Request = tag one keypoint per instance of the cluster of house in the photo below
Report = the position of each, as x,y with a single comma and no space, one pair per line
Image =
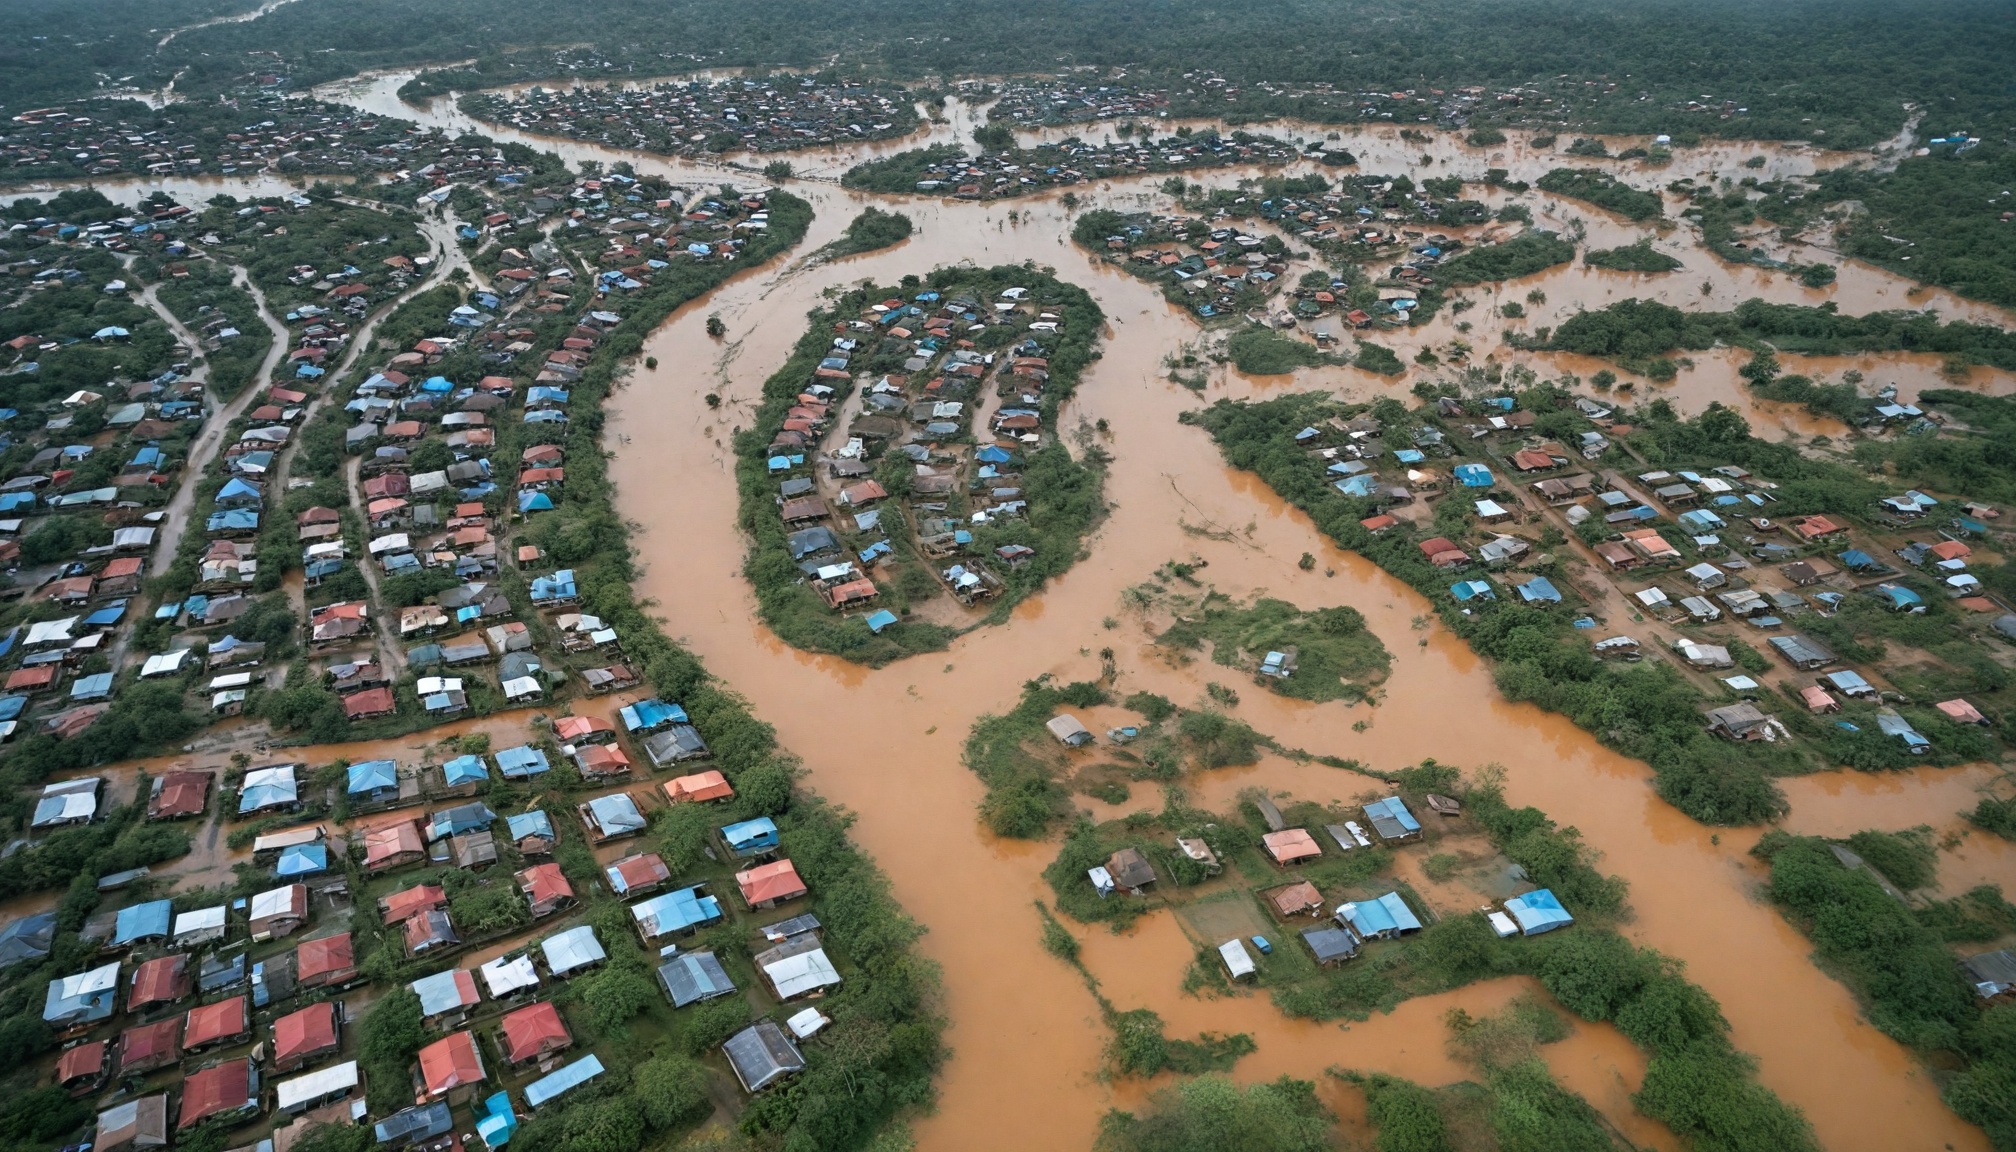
1086,95
1342,932
1018,171
185,994
1072,100
639,238
243,131
688,118
830,502
1220,271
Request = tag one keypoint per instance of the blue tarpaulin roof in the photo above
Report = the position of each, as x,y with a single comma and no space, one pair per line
372,775
881,619
675,911
1388,915
1474,476
572,1076
1538,912
1472,590
301,860
521,761
1540,590
529,824
534,502
558,586
464,770
495,1122
645,715
142,922
750,835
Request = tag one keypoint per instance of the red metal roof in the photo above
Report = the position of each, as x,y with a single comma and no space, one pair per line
450,1063
770,882
304,1033
319,959
223,1088
534,1031
213,1022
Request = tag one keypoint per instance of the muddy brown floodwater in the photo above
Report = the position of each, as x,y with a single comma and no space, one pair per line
886,743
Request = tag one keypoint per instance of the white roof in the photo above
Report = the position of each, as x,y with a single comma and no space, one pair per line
231,680
274,902
429,685
397,542
805,972
165,664
806,1023
86,983
330,1081
284,774
1237,962
274,841
507,976
577,948
201,920
82,784
50,631
1651,596
1503,925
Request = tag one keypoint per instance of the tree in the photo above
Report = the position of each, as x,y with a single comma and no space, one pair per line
615,995
672,1090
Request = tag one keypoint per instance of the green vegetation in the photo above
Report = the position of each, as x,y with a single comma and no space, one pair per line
1261,351
1531,251
1634,330
1645,710
1337,657
1484,137
1023,796
1936,218
1604,191
1906,858
873,229
1898,965
1377,358
899,172
1996,815
1064,492
1639,257
1212,1114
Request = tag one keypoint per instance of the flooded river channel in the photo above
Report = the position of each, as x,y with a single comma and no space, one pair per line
1025,1034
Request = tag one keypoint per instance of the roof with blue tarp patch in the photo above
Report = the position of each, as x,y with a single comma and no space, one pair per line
676,911
142,922
529,824
1538,911
1474,476
646,715
373,776
464,770
1539,590
302,860
104,617
569,1077
751,835
880,619
1388,915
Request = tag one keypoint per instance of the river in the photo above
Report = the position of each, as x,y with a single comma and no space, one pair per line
886,743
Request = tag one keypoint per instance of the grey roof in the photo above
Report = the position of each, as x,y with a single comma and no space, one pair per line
414,1124
762,1054
28,938
1330,943
691,977
1992,968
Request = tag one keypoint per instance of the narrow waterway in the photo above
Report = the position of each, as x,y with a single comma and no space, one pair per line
887,743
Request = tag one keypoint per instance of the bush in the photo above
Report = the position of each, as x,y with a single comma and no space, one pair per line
1212,1114
1259,351
672,1091
709,1025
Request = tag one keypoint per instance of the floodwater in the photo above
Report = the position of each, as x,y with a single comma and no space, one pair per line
886,743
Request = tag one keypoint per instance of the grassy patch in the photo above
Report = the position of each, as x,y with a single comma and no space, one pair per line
1337,657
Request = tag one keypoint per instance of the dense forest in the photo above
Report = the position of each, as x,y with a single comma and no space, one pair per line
1834,72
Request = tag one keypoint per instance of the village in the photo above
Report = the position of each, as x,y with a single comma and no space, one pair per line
946,170
699,117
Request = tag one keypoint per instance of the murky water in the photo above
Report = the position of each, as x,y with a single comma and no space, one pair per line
886,743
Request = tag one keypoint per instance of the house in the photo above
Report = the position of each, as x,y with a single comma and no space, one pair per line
1238,962
451,1064
674,913
299,1038
373,781
177,795
636,875
224,1022
1297,899
67,802
546,889
473,851
1993,974
761,1055
1330,945
533,1033
1200,852
699,787
266,789
1962,712
140,923
611,817
601,761
532,832
1891,723
1743,722
768,885
1443,553
1291,846
279,911
1706,576
325,962
414,1127
1379,919
1068,730
146,1047
445,997
1812,528
407,903
798,967
162,980
691,977
1392,821
522,762
1129,871
394,845
321,1086
428,930
1802,652
674,744
572,951
135,1124
1703,655
747,839
1537,912
567,1078
82,1069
